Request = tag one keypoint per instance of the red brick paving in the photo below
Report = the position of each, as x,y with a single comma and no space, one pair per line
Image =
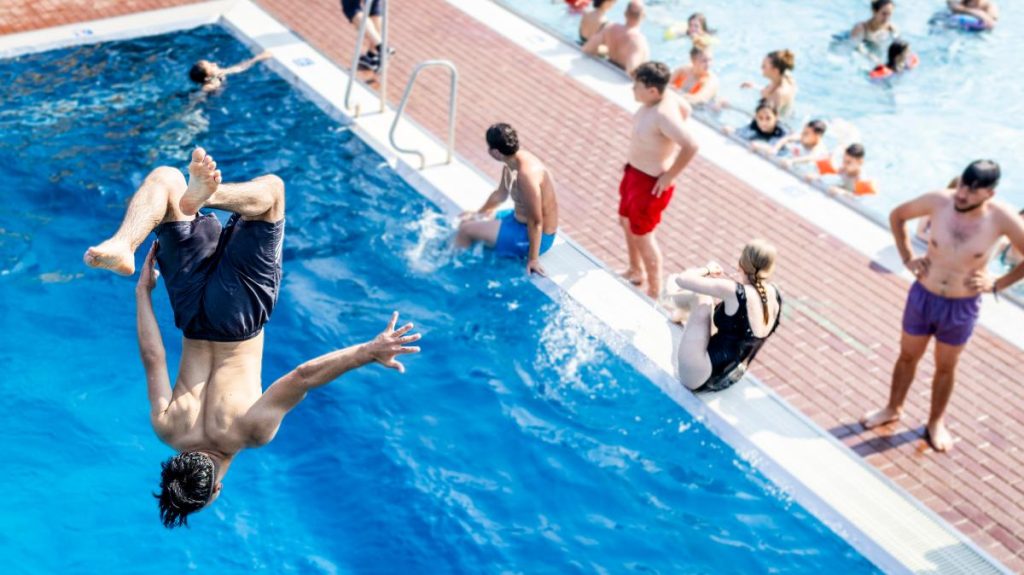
833,357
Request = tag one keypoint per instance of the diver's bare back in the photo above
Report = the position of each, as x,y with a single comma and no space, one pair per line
217,384
960,246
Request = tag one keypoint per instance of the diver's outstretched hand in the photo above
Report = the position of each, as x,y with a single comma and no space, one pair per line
391,343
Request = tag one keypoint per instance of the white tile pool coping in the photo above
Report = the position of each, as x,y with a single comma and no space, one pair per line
879,519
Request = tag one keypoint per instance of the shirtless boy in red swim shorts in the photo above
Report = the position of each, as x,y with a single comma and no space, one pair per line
661,147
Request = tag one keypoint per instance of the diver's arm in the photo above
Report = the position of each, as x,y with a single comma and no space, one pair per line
151,345
498,196
264,418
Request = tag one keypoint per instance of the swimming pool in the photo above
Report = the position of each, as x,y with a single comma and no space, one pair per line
960,104
517,441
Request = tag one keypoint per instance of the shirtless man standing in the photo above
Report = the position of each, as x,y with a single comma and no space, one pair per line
627,47
223,285
659,150
967,225
529,228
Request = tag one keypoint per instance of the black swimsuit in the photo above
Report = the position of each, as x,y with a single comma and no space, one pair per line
734,342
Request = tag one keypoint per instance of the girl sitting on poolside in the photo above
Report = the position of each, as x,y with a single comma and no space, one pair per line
746,314
764,130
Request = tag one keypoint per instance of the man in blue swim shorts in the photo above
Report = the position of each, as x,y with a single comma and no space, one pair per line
529,228
967,226
223,283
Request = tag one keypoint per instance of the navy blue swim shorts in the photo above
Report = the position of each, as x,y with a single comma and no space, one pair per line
223,282
353,7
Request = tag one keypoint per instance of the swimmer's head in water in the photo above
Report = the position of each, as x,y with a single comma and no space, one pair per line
701,58
899,50
779,62
649,81
766,117
634,10
502,141
697,25
883,9
202,72
977,185
812,133
188,482
853,160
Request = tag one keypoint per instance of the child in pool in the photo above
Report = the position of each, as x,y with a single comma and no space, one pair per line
765,128
806,147
848,178
900,59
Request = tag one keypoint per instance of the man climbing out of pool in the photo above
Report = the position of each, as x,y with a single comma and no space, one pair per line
223,285
210,76
966,228
529,228
660,149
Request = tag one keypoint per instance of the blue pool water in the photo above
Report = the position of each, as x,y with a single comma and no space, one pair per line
962,103
516,442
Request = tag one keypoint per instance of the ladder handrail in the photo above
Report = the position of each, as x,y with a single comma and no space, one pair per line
453,94
382,72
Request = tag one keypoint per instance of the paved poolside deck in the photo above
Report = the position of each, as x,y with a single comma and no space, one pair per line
832,357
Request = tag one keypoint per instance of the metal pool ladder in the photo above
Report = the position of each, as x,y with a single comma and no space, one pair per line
453,93
382,72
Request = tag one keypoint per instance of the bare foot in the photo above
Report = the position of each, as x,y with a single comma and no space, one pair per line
880,417
938,437
634,276
203,179
114,255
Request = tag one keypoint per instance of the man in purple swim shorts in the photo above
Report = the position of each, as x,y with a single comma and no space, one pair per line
966,228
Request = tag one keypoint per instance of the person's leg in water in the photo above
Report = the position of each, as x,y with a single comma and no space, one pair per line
693,361
650,257
946,358
635,272
473,231
912,348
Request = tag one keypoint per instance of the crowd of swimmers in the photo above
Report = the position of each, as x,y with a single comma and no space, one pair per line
223,281
877,38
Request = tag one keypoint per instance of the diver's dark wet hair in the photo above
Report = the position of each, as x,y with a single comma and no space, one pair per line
818,126
653,75
186,486
198,74
503,138
856,151
981,174
599,3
